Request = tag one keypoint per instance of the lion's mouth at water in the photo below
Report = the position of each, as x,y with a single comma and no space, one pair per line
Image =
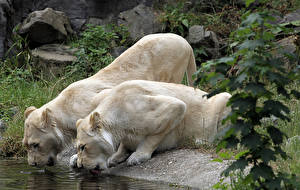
96,171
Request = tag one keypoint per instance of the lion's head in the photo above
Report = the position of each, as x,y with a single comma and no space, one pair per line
92,148
42,138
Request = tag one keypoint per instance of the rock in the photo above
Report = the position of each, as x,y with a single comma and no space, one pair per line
199,37
288,19
196,34
77,11
4,13
52,58
293,16
183,167
117,51
46,26
141,21
289,44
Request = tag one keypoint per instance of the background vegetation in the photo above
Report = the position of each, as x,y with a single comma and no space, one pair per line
244,68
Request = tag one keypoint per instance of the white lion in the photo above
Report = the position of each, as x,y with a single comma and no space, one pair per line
157,57
144,116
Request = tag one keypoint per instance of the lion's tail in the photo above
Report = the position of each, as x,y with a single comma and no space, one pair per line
191,69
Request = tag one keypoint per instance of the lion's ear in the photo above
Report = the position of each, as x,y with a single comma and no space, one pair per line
28,111
94,120
47,117
78,122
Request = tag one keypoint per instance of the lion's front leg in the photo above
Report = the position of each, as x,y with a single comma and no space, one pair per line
166,116
118,157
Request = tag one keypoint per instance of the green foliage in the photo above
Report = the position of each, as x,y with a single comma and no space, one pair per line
94,48
18,67
259,73
176,20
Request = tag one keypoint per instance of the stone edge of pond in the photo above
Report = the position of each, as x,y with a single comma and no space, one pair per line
181,167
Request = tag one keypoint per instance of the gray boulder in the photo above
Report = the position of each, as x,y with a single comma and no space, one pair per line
52,58
199,37
196,34
141,20
4,13
292,19
293,16
289,44
46,26
77,11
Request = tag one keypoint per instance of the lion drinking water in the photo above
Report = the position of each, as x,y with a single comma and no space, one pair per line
144,116
50,128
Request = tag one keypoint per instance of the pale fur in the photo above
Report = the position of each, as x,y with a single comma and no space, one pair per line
157,57
144,116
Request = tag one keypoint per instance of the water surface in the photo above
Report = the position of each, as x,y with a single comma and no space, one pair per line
16,174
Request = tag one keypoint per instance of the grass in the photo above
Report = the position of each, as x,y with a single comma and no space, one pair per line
19,95
292,143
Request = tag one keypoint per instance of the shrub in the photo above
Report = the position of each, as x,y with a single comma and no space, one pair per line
94,47
257,74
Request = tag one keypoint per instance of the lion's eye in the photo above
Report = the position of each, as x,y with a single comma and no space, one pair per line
35,145
81,147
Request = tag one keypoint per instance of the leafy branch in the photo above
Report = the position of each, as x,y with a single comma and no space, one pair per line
251,74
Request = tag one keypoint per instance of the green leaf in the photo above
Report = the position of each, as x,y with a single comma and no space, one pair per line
240,154
233,44
225,155
248,2
252,140
262,170
296,94
256,89
217,160
216,78
266,154
221,145
295,23
251,44
243,104
252,18
185,22
276,108
239,164
242,77
275,134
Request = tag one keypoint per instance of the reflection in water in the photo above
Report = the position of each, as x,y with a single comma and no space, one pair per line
16,174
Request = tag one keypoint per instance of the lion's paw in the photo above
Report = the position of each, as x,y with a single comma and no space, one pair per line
137,158
73,161
111,162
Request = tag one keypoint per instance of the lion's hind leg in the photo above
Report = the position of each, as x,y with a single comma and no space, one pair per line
169,112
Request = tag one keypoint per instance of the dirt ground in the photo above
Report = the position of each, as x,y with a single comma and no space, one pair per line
181,167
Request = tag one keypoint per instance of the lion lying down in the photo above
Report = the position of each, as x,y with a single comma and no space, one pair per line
51,128
144,116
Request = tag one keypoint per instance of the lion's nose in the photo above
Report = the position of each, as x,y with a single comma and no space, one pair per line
97,167
50,162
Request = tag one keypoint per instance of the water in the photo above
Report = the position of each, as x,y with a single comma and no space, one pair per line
16,174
